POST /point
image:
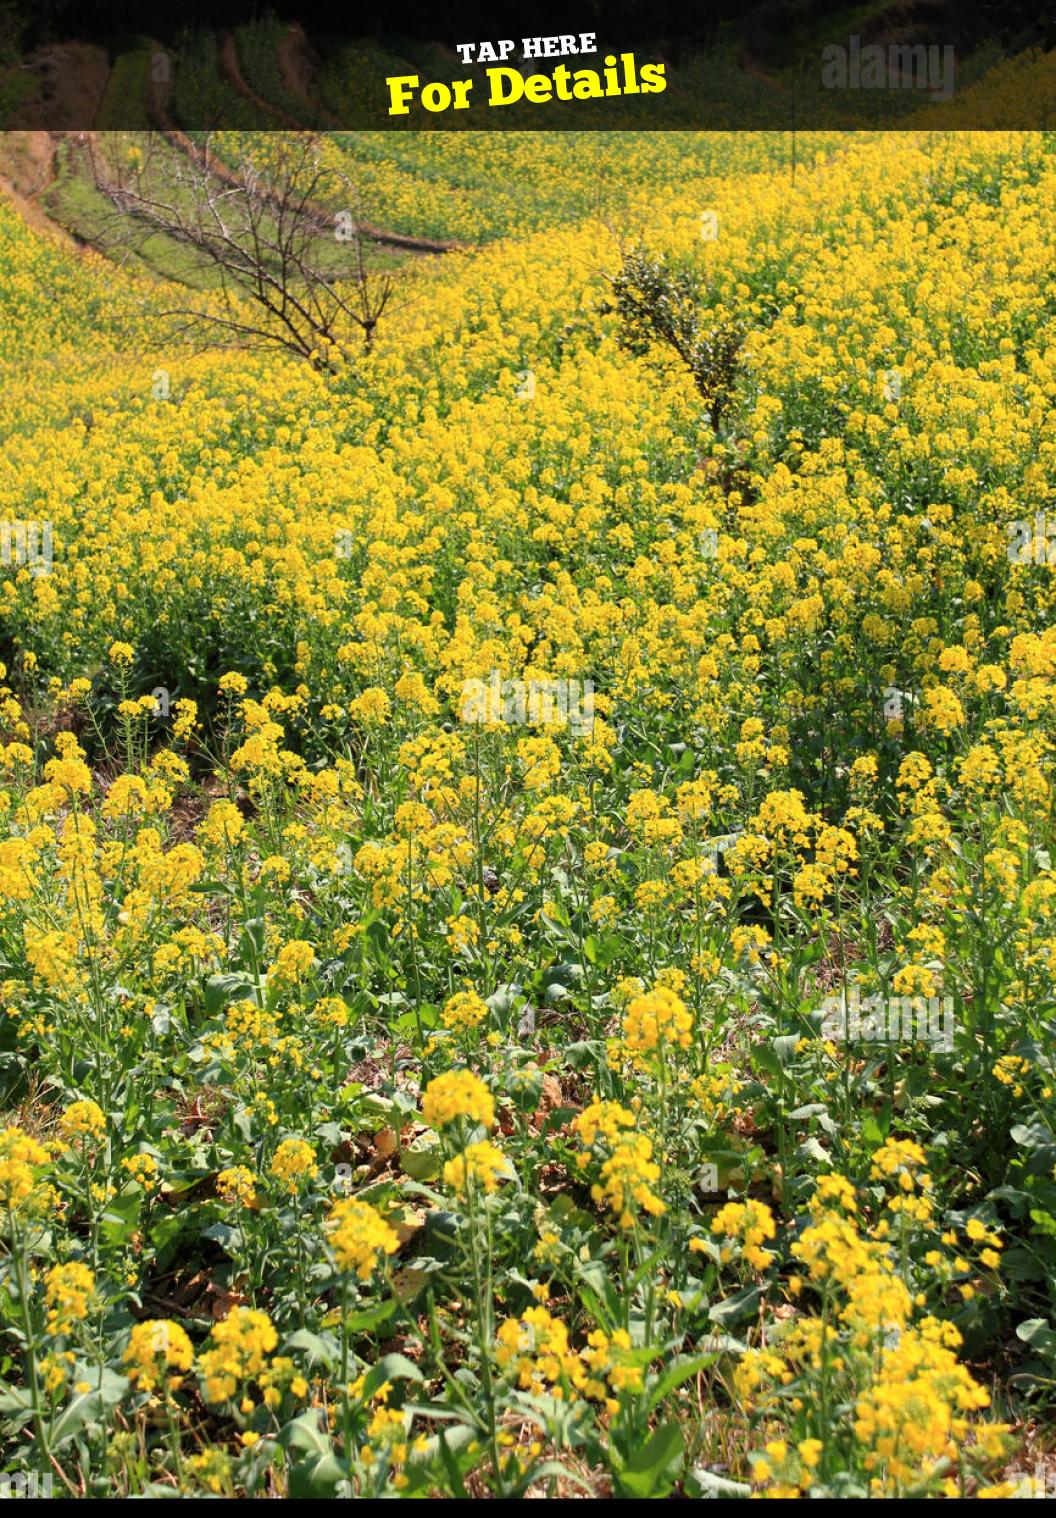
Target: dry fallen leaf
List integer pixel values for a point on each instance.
(406, 1220)
(407, 1283)
(223, 1301)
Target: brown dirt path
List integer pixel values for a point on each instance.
(232, 72)
(27, 172)
(73, 79)
(75, 82)
(322, 216)
(298, 66)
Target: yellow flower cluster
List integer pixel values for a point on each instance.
(82, 1120)
(655, 1022)
(240, 1350)
(479, 1165)
(68, 1292)
(21, 1160)
(156, 1348)
(628, 1173)
(912, 1410)
(749, 1224)
(464, 1011)
(294, 1165)
(536, 1352)
(358, 1234)
(455, 1095)
(237, 1185)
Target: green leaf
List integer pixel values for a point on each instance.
(1039, 1335)
(369, 1318)
(121, 1218)
(88, 1406)
(681, 1371)
(764, 1058)
(426, 1015)
(409, 1282)
(13, 1399)
(224, 1234)
(398, 1368)
(212, 888)
(653, 1470)
(319, 1351)
(705, 1483)
(736, 1307)
(451, 1466)
(304, 1433)
(221, 989)
(319, 1477)
(559, 1472)
(422, 1157)
(1021, 1265)
(785, 1046)
(165, 1232)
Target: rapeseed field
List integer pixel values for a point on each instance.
(527, 905)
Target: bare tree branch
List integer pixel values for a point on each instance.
(270, 259)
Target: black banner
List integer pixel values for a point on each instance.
(605, 65)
